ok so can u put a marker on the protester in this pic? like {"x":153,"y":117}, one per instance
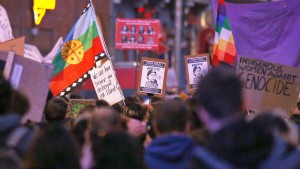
{"x":117,"y":150}
{"x":276,"y":122}
{"x":171,"y":148}
{"x":233,"y":142}
{"x":53,"y":148}
{"x":13,"y":135}
{"x":56,"y":110}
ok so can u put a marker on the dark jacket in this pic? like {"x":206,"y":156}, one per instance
{"x":244,"y":146}
{"x":169,"y":152}
{"x":13,"y":133}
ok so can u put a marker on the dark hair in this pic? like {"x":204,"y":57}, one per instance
{"x":103,"y":121}
{"x":270,"y":122}
{"x":5,"y":95}
{"x":170,"y":115}
{"x":150,"y":71}
{"x":56,"y":110}
{"x":133,"y":99}
{"x":53,"y":148}
{"x":220,"y":93}
{"x":78,"y":131}
{"x":117,"y":150}
{"x":19,"y":103}
{"x":101,"y":103}
{"x":134,"y":111}
{"x":195,"y":68}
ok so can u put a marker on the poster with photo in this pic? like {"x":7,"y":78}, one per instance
{"x":196,"y":66}
{"x":138,"y":34}
{"x":153,"y":77}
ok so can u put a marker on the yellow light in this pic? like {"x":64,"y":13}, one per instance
{"x":39,"y":9}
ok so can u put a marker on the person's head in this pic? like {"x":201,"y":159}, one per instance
{"x":135,"y":111}
{"x":52,"y":148}
{"x":141,"y":29}
{"x":124,"y":28}
{"x":56,"y":110}
{"x":220,"y":94}
{"x":102,"y":103}
{"x":5,"y":95}
{"x":141,"y":39}
{"x":117,"y":150}
{"x":133,"y":99}
{"x":104,"y":120}
{"x":132,"y":38}
{"x":151,"y":75}
{"x":170,"y":116}
{"x":197,"y":71}
{"x":150,"y":29}
{"x":124,"y":38}
{"x":19,"y":103}
{"x":133,"y":29}
{"x":273,"y":121}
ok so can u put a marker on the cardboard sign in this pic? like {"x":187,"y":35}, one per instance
{"x":75,"y":105}
{"x":16,"y":45}
{"x":105,"y":83}
{"x":32,"y":79}
{"x":196,"y":67}
{"x":139,"y":34}
{"x":268,"y":85}
{"x":153,"y":77}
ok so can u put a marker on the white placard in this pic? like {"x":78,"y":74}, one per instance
{"x":153,"y":76}
{"x":106,"y":84}
{"x":197,"y":66}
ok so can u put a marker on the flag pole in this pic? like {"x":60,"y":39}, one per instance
{"x":105,"y":48}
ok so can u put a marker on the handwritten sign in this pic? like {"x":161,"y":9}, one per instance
{"x":139,"y":34}
{"x":106,"y":84}
{"x":16,"y":45}
{"x":153,"y":76}
{"x":5,"y":28}
{"x":268,"y":85}
{"x":196,"y":67}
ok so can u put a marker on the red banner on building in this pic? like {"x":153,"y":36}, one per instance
{"x":138,"y":34}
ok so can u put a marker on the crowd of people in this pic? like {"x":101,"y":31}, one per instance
{"x":211,"y":129}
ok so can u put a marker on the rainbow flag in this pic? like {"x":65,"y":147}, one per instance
{"x":77,"y":54}
{"x":224,"y":49}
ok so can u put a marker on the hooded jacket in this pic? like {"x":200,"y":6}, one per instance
{"x":169,"y":152}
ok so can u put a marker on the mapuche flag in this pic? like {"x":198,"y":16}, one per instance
{"x":77,"y":54}
{"x":224,"y":49}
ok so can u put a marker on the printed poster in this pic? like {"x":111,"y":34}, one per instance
{"x":197,"y":66}
{"x":137,"y":34}
{"x":153,"y":76}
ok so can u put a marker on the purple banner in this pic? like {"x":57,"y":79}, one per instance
{"x":269,"y":31}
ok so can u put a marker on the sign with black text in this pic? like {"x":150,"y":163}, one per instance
{"x":105,"y":83}
{"x":153,"y":76}
{"x":268,"y":85}
{"x":196,"y":67}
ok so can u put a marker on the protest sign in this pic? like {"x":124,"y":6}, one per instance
{"x":75,"y":105}
{"x":268,"y":85}
{"x":196,"y":67}
{"x":16,"y":45}
{"x":153,"y":77}
{"x":31,"y":78}
{"x":139,"y":34}
{"x":5,"y":28}
{"x":105,"y":83}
